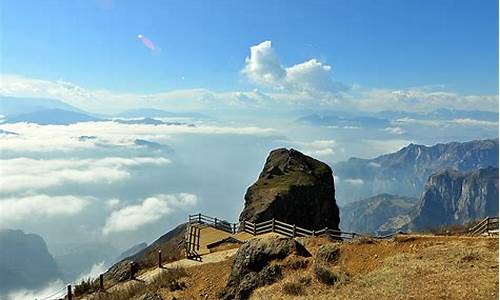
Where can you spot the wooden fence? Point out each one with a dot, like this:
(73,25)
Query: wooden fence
(289,230)
(489,225)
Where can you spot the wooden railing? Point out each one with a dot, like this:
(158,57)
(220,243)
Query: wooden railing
(289,230)
(487,225)
(214,222)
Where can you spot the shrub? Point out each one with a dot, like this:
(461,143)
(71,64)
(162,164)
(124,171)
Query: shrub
(324,275)
(329,253)
(296,286)
(85,287)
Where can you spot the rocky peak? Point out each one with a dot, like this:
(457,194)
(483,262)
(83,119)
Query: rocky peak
(293,188)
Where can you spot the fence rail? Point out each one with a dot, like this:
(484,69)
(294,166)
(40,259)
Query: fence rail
(488,226)
(273,225)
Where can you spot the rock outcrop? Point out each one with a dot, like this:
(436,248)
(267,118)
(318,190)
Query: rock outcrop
(293,188)
(255,265)
(452,197)
(25,262)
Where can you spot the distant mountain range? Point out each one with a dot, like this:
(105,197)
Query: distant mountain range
(371,215)
(13,106)
(449,197)
(405,172)
(55,112)
(25,262)
(343,119)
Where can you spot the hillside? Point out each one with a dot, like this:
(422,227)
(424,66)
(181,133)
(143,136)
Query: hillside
(405,267)
(405,172)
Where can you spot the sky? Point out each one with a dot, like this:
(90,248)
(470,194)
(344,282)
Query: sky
(333,79)
(203,44)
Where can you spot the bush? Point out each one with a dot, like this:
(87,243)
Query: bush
(296,286)
(324,275)
(296,263)
(85,287)
(327,254)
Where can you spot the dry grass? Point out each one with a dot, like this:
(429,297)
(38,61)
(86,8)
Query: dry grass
(417,267)
(168,280)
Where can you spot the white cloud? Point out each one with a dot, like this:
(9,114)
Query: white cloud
(421,99)
(21,174)
(56,288)
(311,77)
(395,130)
(46,138)
(316,148)
(39,206)
(446,123)
(132,217)
(113,203)
(354,181)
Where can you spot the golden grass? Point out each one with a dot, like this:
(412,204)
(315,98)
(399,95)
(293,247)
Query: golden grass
(417,268)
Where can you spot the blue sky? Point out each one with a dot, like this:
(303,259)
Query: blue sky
(390,44)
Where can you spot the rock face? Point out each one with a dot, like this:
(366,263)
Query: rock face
(405,172)
(378,214)
(252,266)
(293,188)
(25,262)
(452,197)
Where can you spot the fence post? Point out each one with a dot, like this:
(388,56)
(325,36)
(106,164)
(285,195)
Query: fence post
(255,228)
(314,233)
(199,218)
(70,295)
(159,258)
(131,270)
(215,222)
(326,230)
(293,230)
(272,228)
(101,282)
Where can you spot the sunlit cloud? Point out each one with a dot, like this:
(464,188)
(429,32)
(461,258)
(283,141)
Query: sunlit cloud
(26,174)
(39,206)
(146,42)
(132,217)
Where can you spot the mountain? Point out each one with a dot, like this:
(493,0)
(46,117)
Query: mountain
(440,114)
(158,113)
(12,106)
(131,251)
(55,116)
(147,121)
(344,119)
(25,262)
(373,215)
(452,197)
(405,172)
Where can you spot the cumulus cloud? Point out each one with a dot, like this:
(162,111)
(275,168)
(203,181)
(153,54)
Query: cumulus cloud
(130,218)
(21,174)
(264,68)
(40,206)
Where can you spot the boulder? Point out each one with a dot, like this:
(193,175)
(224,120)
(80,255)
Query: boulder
(293,188)
(256,264)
